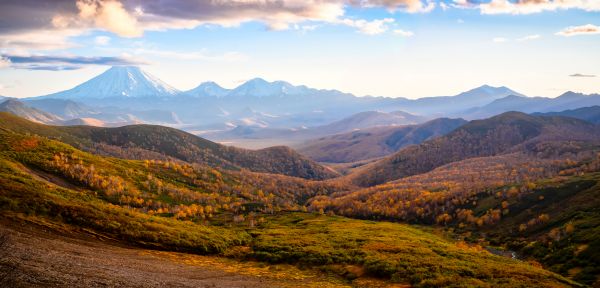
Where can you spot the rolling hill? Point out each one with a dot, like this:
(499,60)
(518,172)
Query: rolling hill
(589,114)
(48,185)
(375,142)
(18,108)
(508,132)
(150,141)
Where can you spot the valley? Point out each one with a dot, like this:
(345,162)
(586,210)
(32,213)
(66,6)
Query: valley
(451,191)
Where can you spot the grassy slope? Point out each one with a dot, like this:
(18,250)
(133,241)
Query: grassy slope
(391,251)
(573,207)
(174,143)
(488,137)
(394,251)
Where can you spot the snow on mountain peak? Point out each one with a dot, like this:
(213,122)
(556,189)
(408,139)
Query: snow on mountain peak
(120,81)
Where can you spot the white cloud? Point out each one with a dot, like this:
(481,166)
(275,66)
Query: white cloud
(588,29)
(4,62)
(410,6)
(535,6)
(499,40)
(110,15)
(529,37)
(44,39)
(102,40)
(373,27)
(403,33)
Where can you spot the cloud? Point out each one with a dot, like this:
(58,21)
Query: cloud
(581,75)
(532,6)
(373,27)
(110,15)
(58,20)
(403,33)
(499,40)
(411,6)
(56,63)
(102,40)
(4,62)
(204,55)
(529,37)
(588,29)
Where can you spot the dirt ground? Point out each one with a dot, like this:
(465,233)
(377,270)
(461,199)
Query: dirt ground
(32,256)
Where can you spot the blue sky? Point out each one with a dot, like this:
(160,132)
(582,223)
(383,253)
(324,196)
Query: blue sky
(366,48)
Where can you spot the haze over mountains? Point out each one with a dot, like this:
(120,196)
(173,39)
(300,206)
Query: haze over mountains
(259,113)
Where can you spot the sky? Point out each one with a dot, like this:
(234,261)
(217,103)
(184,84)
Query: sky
(393,48)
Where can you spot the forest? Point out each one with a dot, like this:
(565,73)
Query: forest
(505,199)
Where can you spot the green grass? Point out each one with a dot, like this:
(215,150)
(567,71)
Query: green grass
(351,248)
(572,201)
(399,252)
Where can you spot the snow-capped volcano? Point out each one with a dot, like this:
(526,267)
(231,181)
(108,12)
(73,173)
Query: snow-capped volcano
(119,81)
(258,87)
(208,89)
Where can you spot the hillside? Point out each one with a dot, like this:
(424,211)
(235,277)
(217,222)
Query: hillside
(370,119)
(589,114)
(567,100)
(148,142)
(545,209)
(556,224)
(374,142)
(511,131)
(171,206)
(18,108)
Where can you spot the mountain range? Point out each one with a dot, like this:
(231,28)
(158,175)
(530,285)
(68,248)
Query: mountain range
(504,133)
(159,142)
(374,142)
(270,112)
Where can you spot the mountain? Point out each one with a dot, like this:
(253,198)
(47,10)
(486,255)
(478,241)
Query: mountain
(260,88)
(158,142)
(292,106)
(18,108)
(208,89)
(375,142)
(254,126)
(66,109)
(589,114)
(371,119)
(510,131)
(458,103)
(567,100)
(119,81)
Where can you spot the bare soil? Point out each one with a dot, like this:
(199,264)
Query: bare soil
(34,256)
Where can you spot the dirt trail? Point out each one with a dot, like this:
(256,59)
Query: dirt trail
(44,259)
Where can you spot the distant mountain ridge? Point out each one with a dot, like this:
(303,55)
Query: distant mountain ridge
(277,105)
(143,142)
(510,131)
(208,89)
(589,114)
(16,107)
(375,142)
(567,100)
